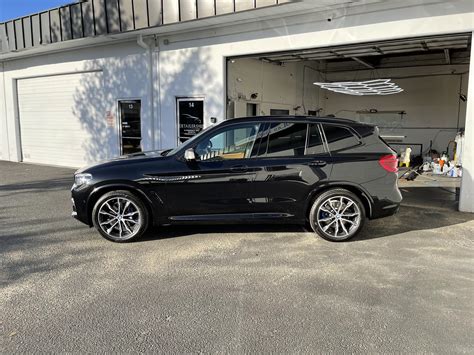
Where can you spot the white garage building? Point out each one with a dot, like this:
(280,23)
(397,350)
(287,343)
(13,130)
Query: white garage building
(98,78)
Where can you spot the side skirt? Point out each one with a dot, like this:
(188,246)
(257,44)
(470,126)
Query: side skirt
(235,218)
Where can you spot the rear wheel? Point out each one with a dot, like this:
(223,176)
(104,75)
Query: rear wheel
(120,216)
(337,215)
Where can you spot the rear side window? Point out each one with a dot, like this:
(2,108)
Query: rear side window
(315,142)
(339,138)
(286,139)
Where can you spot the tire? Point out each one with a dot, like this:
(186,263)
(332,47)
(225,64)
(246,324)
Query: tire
(337,215)
(120,216)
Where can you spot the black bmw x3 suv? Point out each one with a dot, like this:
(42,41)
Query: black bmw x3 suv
(331,173)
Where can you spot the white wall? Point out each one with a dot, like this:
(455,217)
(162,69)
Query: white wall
(193,63)
(209,49)
(200,56)
(288,86)
(125,76)
(430,97)
(3,119)
(434,110)
(466,199)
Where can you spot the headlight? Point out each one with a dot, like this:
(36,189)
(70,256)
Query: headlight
(81,179)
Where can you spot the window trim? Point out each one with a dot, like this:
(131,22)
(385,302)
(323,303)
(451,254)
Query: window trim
(267,127)
(350,129)
(263,128)
(307,140)
(323,140)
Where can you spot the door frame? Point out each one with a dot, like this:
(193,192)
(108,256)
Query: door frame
(118,120)
(17,152)
(189,98)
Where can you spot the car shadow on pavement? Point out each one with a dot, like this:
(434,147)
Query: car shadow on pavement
(167,232)
(422,208)
(411,219)
(35,186)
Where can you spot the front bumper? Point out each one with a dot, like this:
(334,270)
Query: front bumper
(74,212)
(79,204)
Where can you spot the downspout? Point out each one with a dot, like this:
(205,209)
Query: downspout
(5,142)
(158,91)
(149,49)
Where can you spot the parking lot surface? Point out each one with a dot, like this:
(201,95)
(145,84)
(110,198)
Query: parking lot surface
(405,284)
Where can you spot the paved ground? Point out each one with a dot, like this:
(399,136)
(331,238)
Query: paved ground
(405,285)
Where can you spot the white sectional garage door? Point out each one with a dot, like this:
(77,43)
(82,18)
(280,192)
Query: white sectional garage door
(55,128)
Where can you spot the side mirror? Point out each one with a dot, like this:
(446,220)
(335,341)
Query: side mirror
(189,154)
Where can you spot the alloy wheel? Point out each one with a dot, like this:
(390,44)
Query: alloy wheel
(339,217)
(119,218)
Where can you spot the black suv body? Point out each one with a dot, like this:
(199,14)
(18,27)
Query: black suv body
(333,173)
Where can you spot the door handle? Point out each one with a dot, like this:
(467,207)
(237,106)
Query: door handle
(319,163)
(239,168)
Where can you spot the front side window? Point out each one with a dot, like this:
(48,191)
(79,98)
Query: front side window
(286,139)
(339,138)
(236,142)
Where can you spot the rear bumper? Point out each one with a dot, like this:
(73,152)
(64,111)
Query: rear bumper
(385,211)
(386,197)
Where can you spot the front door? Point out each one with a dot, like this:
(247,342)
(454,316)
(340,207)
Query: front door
(220,181)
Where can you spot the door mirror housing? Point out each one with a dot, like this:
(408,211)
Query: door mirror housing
(189,154)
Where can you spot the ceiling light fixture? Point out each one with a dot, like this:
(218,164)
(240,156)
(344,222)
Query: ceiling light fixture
(361,88)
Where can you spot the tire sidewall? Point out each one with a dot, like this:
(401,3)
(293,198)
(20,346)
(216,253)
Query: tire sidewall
(124,194)
(322,198)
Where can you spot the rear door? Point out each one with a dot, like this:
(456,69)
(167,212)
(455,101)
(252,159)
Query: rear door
(293,159)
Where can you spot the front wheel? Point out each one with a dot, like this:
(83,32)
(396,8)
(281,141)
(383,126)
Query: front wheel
(120,216)
(337,215)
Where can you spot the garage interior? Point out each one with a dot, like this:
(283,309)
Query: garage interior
(423,123)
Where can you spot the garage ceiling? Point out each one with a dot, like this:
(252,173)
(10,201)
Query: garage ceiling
(447,44)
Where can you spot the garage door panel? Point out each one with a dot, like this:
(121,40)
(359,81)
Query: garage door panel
(64,142)
(52,131)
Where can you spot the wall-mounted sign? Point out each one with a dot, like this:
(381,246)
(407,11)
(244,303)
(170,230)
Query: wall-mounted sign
(110,118)
(190,114)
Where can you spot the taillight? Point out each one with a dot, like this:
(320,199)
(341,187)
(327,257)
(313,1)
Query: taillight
(389,163)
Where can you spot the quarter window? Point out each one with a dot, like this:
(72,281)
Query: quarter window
(339,138)
(286,139)
(232,143)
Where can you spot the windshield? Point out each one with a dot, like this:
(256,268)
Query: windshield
(190,141)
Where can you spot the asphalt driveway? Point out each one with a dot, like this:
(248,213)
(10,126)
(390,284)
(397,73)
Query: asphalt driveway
(406,284)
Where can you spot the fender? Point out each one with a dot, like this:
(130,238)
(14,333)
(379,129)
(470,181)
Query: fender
(151,199)
(330,184)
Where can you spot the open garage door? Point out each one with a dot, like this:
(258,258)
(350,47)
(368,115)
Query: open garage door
(425,115)
(53,130)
